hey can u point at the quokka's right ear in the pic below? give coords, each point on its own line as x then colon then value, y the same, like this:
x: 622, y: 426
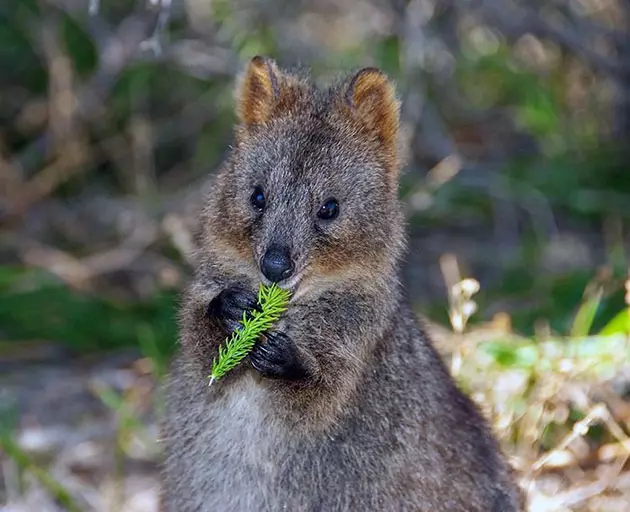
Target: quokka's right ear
x: 257, y: 91
x: 264, y: 92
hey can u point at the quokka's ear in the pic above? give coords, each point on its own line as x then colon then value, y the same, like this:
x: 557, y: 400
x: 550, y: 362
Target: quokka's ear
x: 263, y: 92
x: 371, y: 97
x: 257, y: 91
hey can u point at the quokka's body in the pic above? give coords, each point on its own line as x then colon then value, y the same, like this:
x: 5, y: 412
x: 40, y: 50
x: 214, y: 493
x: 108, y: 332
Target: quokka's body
x: 345, y: 405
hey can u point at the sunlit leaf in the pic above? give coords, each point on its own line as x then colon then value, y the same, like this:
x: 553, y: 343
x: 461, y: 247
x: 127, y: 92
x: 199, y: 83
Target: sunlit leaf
x: 586, y: 314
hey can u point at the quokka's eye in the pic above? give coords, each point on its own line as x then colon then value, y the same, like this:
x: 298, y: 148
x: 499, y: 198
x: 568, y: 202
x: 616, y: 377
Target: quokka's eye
x: 329, y: 210
x: 258, y: 199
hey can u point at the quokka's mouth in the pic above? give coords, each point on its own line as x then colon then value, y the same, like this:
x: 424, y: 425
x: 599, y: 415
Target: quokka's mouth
x: 291, y: 284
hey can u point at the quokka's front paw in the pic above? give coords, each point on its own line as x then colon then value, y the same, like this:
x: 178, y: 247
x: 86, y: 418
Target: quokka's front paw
x: 228, y: 307
x: 276, y: 357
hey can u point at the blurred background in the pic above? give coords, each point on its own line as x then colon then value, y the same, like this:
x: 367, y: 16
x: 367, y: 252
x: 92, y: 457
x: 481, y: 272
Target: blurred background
x: 516, y: 116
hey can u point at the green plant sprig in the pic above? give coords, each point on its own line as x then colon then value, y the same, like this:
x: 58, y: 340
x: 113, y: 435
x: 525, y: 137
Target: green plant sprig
x: 272, y: 301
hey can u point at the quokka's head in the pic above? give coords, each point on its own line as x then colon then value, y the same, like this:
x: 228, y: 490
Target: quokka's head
x: 310, y: 188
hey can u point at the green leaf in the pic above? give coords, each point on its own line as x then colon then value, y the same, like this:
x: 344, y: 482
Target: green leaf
x: 620, y: 324
x: 511, y: 355
x: 586, y: 314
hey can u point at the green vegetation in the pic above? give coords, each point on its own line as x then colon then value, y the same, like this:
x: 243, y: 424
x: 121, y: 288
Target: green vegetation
x: 34, y: 306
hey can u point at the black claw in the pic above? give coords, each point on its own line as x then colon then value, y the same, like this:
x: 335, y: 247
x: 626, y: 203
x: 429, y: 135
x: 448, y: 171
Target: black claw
x: 230, y: 325
x: 277, y: 357
x: 228, y: 307
x: 263, y: 349
x: 244, y: 299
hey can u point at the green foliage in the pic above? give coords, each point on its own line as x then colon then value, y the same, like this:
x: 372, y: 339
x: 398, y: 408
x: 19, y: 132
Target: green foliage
x: 24, y: 462
x: 11, y: 449
x: 586, y: 314
x: 388, y: 55
x: 20, y: 64
x: 34, y: 306
x: 589, y: 188
x: 79, y: 45
x: 599, y: 355
x: 497, y: 79
x: 620, y: 324
x: 510, y: 355
x: 273, y: 301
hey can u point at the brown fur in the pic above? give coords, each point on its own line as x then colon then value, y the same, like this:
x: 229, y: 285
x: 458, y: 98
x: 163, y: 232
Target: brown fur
x: 375, y: 422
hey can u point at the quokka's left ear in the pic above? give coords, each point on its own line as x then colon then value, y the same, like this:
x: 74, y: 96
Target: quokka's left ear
x: 371, y: 99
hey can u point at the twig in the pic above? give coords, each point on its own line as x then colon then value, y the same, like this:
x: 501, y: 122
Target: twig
x: 155, y: 41
x: 94, y: 7
x: 79, y: 273
x: 598, y: 413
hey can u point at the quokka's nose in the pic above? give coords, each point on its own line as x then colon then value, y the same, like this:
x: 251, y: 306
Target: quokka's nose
x: 276, y: 264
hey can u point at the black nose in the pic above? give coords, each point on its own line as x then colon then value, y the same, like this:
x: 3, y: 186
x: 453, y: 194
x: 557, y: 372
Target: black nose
x: 276, y: 264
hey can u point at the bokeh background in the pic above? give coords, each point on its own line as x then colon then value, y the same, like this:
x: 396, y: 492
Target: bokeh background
x: 516, y: 115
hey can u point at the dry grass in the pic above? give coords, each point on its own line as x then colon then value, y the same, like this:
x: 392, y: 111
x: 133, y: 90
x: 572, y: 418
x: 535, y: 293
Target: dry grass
x: 552, y: 401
